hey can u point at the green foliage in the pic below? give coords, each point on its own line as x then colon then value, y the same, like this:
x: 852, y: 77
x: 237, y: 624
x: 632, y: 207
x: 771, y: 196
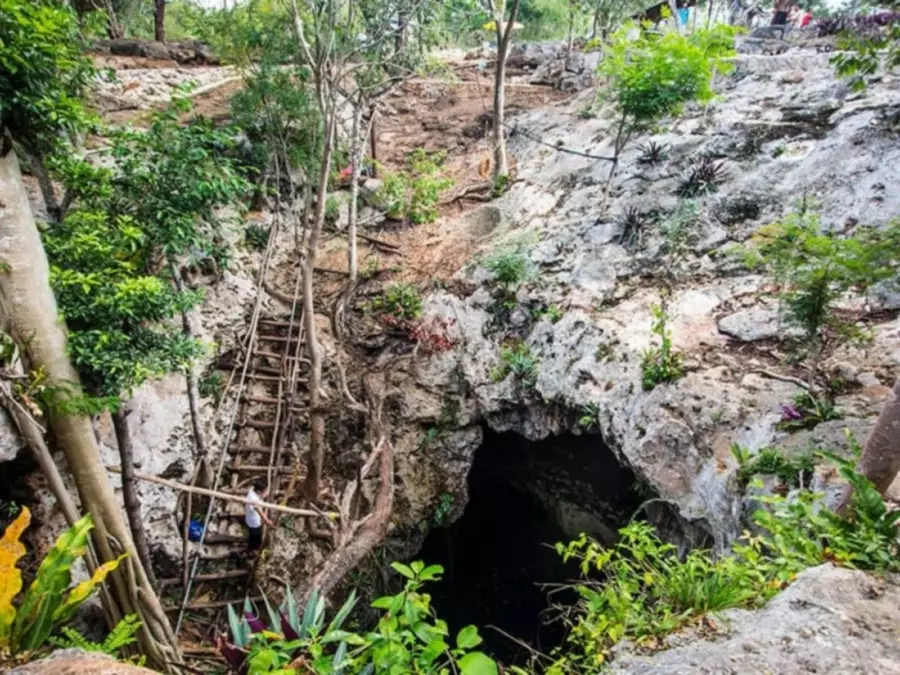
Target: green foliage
x: 116, y: 311
x: 44, y: 74
x: 588, y: 420
x: 110, y: 258
x: 49, y: 602
x: 770, y: 461
x: 806, y: 412
x: 814, y: 268
x: 651, y: 76
x: 123, y: 634
x: 660, y: 364
x: 510, y: 268
x: 408, y: 637
x: 862, y: 54
x: 332, y: 210
x: 256, y: 237
x: 414, y: 193
x: 517, y: 360
x: 648, y: 591
x: 400, y: 300
x: 211, y: 386
x: 681, y: 231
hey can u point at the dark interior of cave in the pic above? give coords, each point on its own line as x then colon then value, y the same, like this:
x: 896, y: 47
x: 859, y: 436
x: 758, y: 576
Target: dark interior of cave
x: 499, y: 559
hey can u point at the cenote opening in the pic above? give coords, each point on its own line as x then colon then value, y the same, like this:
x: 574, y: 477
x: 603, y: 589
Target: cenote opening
x: 498, y: 557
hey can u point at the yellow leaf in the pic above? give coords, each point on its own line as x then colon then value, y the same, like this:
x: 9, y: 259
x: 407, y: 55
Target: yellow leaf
x: 11, y: 549
x: 83, y: 591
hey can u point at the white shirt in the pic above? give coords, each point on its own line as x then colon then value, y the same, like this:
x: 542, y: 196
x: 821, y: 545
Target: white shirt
x: 253, y: 519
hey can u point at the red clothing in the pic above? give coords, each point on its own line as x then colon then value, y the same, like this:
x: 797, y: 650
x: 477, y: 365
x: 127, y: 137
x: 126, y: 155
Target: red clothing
x: 805, y: 19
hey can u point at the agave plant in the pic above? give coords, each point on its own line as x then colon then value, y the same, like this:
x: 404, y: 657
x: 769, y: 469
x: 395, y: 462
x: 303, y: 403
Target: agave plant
x: 634, y: 224
x: 703, y: 177
x: 49, y: 602
x: 653, y: 153
x: 285, y: 635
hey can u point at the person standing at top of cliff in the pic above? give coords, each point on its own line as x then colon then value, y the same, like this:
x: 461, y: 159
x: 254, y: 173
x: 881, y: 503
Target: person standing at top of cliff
x: 780, y: 15
x: 256, y: 516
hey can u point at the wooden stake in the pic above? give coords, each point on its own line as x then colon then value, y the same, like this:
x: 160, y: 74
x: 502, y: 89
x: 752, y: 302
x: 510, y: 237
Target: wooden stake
x: 224, y: 496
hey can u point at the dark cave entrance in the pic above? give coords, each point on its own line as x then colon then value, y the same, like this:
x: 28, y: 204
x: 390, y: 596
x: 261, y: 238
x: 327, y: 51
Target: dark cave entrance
x: 498, y: 557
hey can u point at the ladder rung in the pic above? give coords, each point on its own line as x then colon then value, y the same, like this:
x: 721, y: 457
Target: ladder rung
x: 231, y: 574
x: 259, y: 468
x: 211, y: 604
x: 279, y: 323
x: 256, y: 424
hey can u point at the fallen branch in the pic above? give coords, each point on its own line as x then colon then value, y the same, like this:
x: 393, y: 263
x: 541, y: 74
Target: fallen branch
x: 224, y: 495
x: 390, y: 248
x: 783, y: 378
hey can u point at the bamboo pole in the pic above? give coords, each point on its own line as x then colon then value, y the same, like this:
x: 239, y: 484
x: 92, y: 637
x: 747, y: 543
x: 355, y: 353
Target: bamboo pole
x: 225, y: 496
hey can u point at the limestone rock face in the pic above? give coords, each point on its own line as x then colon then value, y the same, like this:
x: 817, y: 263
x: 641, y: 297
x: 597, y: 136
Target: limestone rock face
x: 778, y: 140
x: 830, y: 620
x: 77, y: 662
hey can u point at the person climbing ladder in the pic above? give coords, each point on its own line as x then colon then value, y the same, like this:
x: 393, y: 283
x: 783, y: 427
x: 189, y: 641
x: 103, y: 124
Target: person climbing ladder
x: 255, y: 515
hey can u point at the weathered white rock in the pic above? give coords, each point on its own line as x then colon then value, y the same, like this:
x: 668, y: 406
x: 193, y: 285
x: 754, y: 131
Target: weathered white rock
x: 830, y: 620
x: 10, y: 441
x: 749, y: 325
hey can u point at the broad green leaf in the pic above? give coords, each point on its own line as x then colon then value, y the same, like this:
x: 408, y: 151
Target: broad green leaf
x: 468, y: 637
x: 84, y: 590
x: 477, y: 663
x: 403, y: 570
x: 11, y: 550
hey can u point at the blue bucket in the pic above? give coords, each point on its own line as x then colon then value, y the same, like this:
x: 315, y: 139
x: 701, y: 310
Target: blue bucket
x: 195, y: 530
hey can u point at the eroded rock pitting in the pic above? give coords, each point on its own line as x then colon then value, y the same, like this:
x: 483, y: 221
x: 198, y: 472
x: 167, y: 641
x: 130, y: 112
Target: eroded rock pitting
x: 499, y: 560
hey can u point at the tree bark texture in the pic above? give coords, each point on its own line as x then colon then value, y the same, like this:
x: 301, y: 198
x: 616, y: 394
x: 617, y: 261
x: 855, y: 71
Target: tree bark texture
x: 880, y: 459
x: 39, y: 169
x: 504, y: 38
x: 159, y: 21
x: 27, y: 300
x: 129, y: 489
x: 316, y: 456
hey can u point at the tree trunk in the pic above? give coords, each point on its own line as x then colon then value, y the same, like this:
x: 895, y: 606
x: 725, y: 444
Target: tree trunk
x: 504, y: 38
x: 113, y: 27
x: 880, y: 458
x: 190, y: 330
x: 28, y: 302
x: 374, y: 526
x: 357, y: 145
x: 129, y: 490
x: 159, y: 21
x: 316, y: 456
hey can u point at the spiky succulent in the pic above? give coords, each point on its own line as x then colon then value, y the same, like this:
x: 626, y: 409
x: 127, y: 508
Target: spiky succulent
x: 634, y: 224
x: 702, y: 178
x: 653, y: 153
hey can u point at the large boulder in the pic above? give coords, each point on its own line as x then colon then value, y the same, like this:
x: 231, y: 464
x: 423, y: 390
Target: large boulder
x: 830, y: 620
x: 78, y: 662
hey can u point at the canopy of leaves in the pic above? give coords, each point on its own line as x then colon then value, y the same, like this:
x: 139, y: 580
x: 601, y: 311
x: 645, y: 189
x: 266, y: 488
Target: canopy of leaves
x: 651, y: 76
x: 43, y: 72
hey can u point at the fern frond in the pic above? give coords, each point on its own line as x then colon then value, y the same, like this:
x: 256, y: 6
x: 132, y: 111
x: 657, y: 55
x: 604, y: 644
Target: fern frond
x: 122, y: 635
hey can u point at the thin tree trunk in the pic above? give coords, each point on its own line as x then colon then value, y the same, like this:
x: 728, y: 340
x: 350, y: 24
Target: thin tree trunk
x: 159, y: 21
x: 316, y: 455
x: 113, y: 27
x: 504, y: 38
x: 28, y: 302
x: 373, y: 527
x: 190, y: 330
x: 129, y: 490
x: 357, y: 144
x: 880, y: 458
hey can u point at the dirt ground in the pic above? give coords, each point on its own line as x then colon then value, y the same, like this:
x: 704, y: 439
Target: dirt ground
x: 451, y: 115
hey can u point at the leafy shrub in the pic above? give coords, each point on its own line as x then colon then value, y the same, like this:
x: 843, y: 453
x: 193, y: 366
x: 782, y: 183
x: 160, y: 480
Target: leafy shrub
x: 211, y: 386
x: 332, y: 210
x: 49, y: 602
x: 400, y: 300
x: 814, y: 268
x: 256, y: 237
x: 588, y: 418
x: 414, y: 194
x: 660, y: 364
x: 769, y: 461
x: 122, y: 635
x: 702, y: 178
x: 648, y: 591
x: 518, y: 361
x: 806, y: 412
x: 650, y: 76
x: 408, y: 637
x: 508, y: 268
